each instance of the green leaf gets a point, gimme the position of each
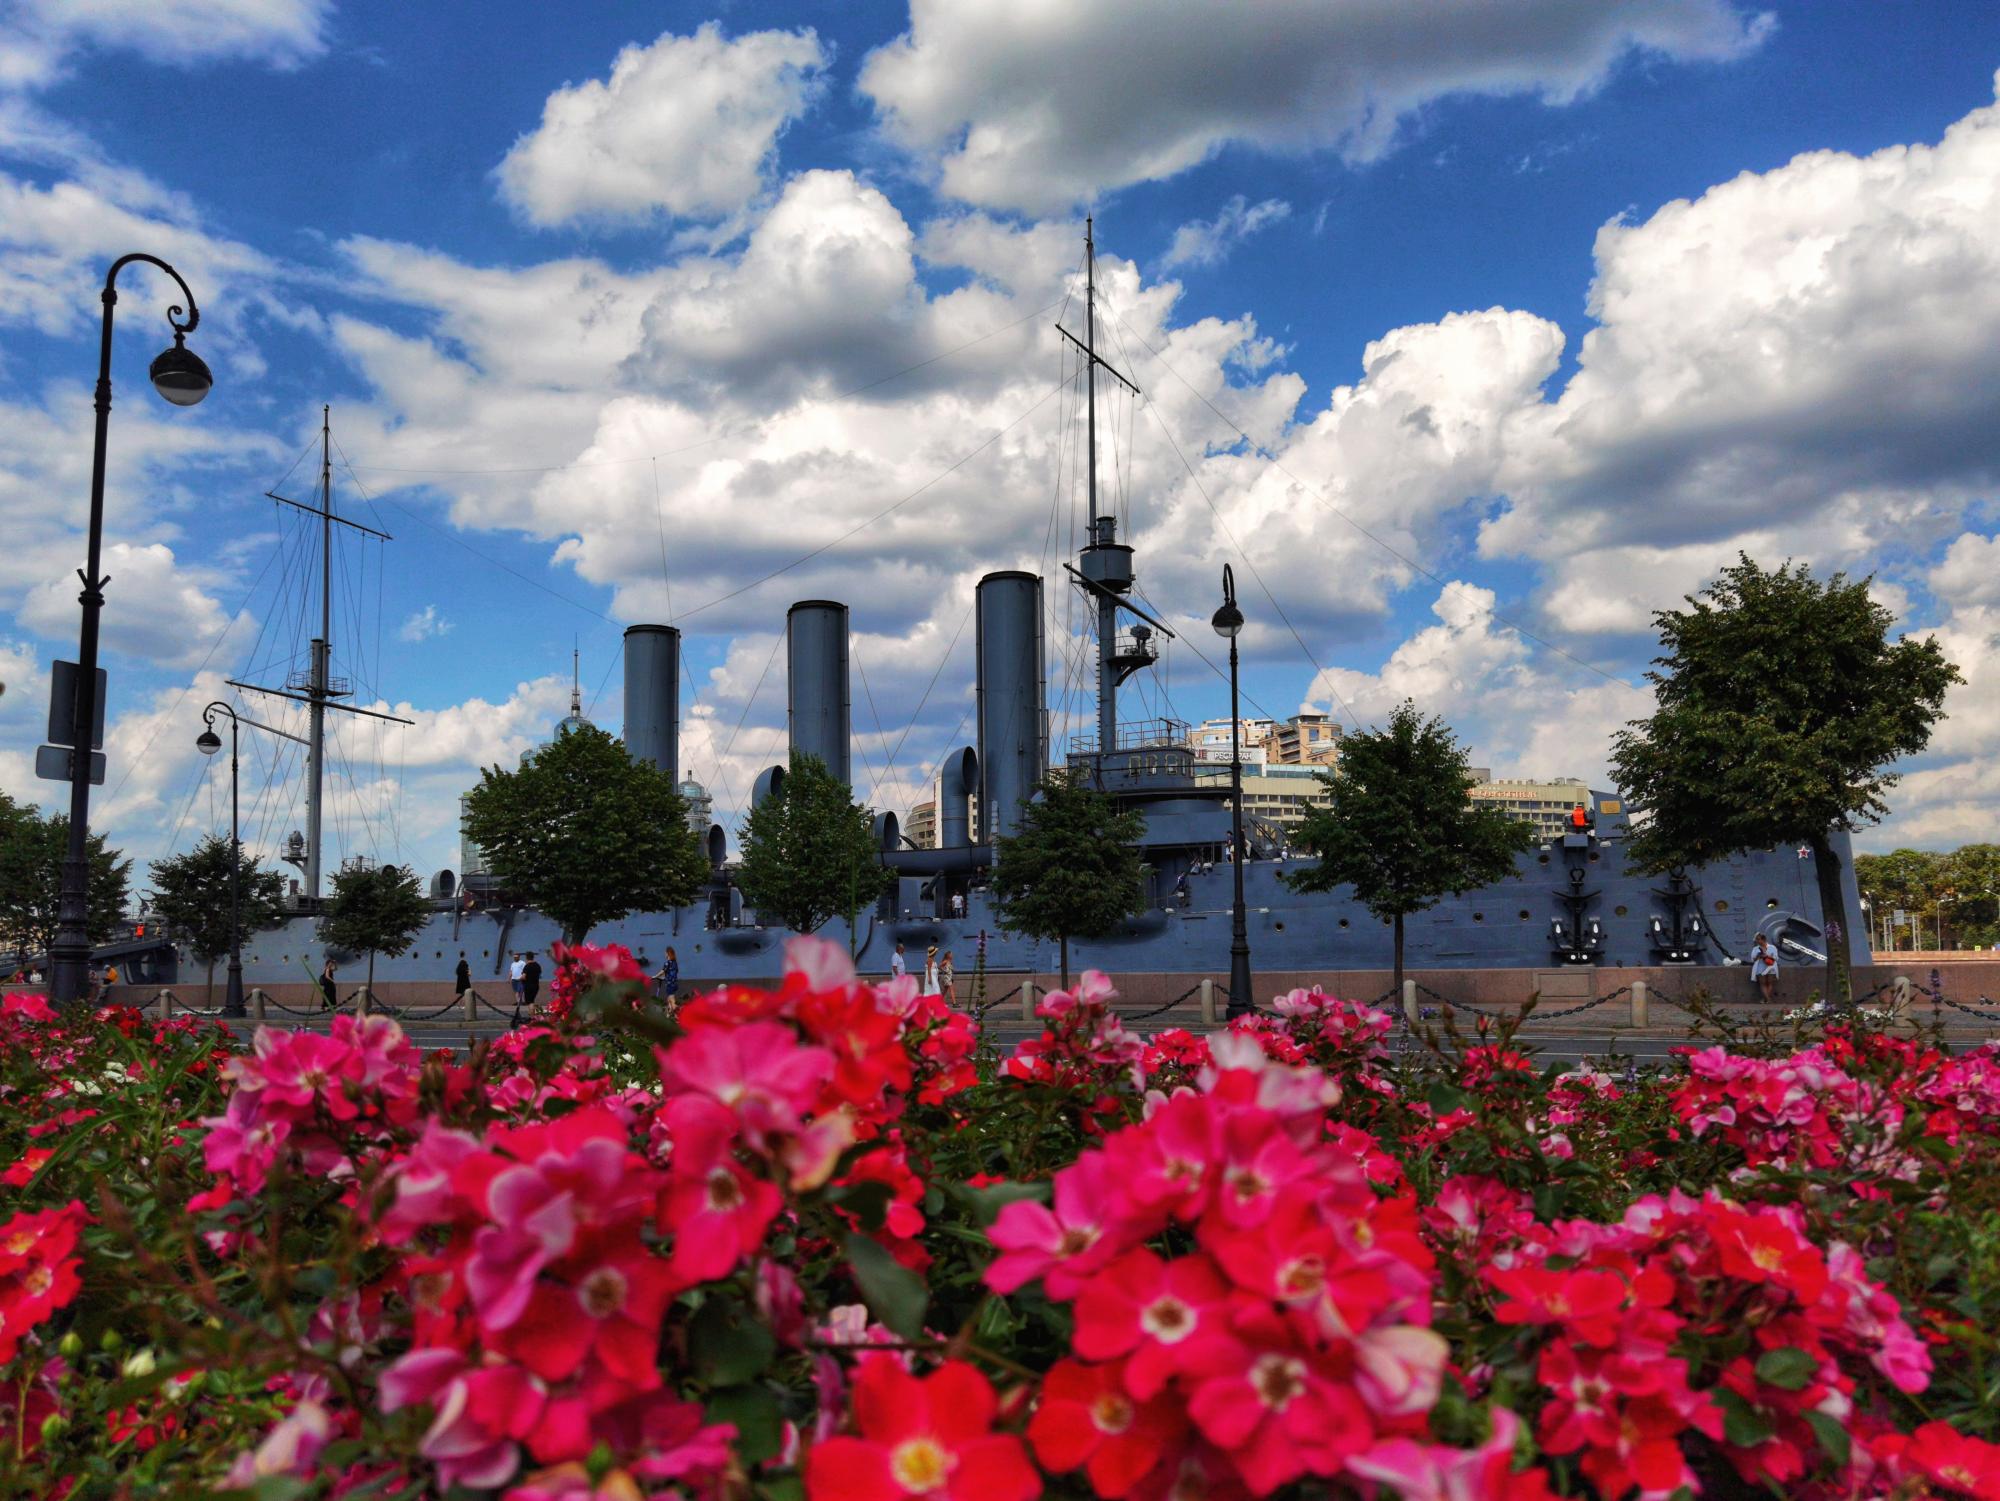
(987, 1201)
(1742, 1424)
(1444, 1098)
(759, 1423)
(727, 1344)
(1549, 1200)
(1788, 1369)
(867, 1201)
(1832, 1437)
(893, 1293)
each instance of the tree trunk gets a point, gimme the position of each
(208, 988)
(1064, 941)
(1833, 918)
(371, 980)
(1398, 998)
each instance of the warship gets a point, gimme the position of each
(1572, 900)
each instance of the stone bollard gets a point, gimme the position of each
(1641, 1005)
(166, 1000)
(1027, 1000)
(257, 1000)
(471, 1004)
(1410, 1002)
(1208, 1003)
(360, 999)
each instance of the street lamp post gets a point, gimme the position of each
(178, 375)
(1228, 624)
(208, 743)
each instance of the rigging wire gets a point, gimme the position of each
(1320, 672)
(726, 433)
(1410, 562)
(722, 761)
(942, 663)
(875, 784)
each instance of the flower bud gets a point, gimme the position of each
(112, 1340)
(70, 1345)
(139, 1363)
(54, 1426)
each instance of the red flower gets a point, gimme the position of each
(604, 1301)
(1762, 1246)
(929, 1438)
(1586, 1303)
(1965, 1464)
(717, 1210)
(1276, 1409)
(1161, 1313)
(1086, 1420)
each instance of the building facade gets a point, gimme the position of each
(1543, 806)
(1305, 740)
(1276, 794)
(701, 807)
(921, 829)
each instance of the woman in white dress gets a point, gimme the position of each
(930, 986)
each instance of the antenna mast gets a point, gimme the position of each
(316, 687)
(1105, 573)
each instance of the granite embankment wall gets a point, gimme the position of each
(1966, 978)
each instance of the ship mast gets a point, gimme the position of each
(316, 687)
(1105, 564)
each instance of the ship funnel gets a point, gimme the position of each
(1013, 725)
(718, 845)
(770, 782)
(958, 779)
(816, 683)
(653, 697)
(888, 833)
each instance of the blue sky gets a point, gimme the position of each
(1543, 308)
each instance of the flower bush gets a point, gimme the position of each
(815, 1243)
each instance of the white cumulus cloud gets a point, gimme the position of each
(1205, 242)
(423, 625)
(1039, 104)
(684, 127)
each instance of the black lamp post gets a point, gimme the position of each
(1228, 623)
(178, 375)
(208, 743)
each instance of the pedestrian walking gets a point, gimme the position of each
(930, 985)
(948, 979)
(531, 980)
(517, 972)
(897, 968)
(461, 978)
(1764, 967)
(328, 998)
(667, 983)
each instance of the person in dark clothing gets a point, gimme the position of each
(531, 980)
(326, 992)
(668, 979)
(461, 978)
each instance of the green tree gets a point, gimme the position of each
(1781, 705)
(1903, 880)
(191, 895)
(1401, 828)
(31, 859)
(809, 850)
(586, 833)
(1971, 878)
(376, 909)
(1073, 869)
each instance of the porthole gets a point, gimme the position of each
(1593, 857)
(288, 959)
(1479, 917)
(1617, 911)
(1279, 926)
(1722, 906)
(1524, 914)
(1771, 902)
(1542, 859)
(1343, 922)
